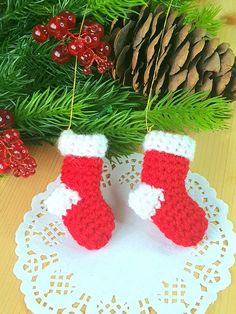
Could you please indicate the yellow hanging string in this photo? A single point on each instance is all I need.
(73, 94)
(75, 77)
(150, 98)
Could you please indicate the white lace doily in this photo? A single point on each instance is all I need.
(139, 271)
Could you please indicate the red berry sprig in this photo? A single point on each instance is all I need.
(6, 119)
(87, 46)
(14, 155)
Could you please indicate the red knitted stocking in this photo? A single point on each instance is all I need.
(79, 200)
(162, 197)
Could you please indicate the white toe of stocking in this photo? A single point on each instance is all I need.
(145, 200)
(61, 199)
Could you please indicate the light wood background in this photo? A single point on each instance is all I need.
(215, 159)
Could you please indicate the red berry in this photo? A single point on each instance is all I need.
(76, 47)
(26, 174)
(101, 69)
(3, 151)
(6, 119)
(100, 30)
(87, 58)
(28, 166)
(87, 40)
(93, 28)
(104, 49)
(4, 166)
(69, 18)
(88, 22)
(57, 27)
(16, 142)
(23, 168)
(87, 25)
(40, 33)
(16, 172)
(30, 162)
(60, 54)
(18, 152)
(87, 71)
(10, 135)
(91, 41)
(109, 64)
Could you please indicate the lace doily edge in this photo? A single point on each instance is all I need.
(25, 284)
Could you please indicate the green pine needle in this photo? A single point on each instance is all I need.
(109, 10)
(183, 111)
(179, 5)
(102, 108)
(39, 91)
(204, 16)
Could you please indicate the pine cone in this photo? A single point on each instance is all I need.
(149, 59)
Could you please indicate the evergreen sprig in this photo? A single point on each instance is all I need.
(182, 111)
(101, 107)
(205, 17)
(201, 15)
(109, 10)
(38, 90)
(19, 16)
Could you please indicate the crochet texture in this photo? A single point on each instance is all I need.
(165, 167)
(90, 221)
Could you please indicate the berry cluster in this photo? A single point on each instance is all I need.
(14, 155)
(87, 45)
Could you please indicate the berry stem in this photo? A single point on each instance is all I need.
(72, 35)
(97, 58)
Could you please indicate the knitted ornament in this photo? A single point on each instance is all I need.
(162, 196)
(78, 199)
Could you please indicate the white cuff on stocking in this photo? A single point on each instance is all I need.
(145, 200)
(61, 199)
(180, 145)
(70, 143)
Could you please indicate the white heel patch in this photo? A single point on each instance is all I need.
(146, 200)
(61, 199)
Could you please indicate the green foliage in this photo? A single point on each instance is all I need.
(179, 5)
(19, 16)
(26, 67)
(108, 10)
(204, 16)
(183, 111)
(100, 106)
(116, 112)
(39, 91)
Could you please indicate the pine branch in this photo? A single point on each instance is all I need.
(26, 67)
(39, 91)
(181, 111)
(75, 6)
(23, 70)
(204, 16)
(109, 10)
(15, 18)
(97, 109)
(12, 81)
(101, 107)
(179, 5)
(19, 16)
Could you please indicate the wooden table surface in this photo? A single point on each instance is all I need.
(215, 159)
